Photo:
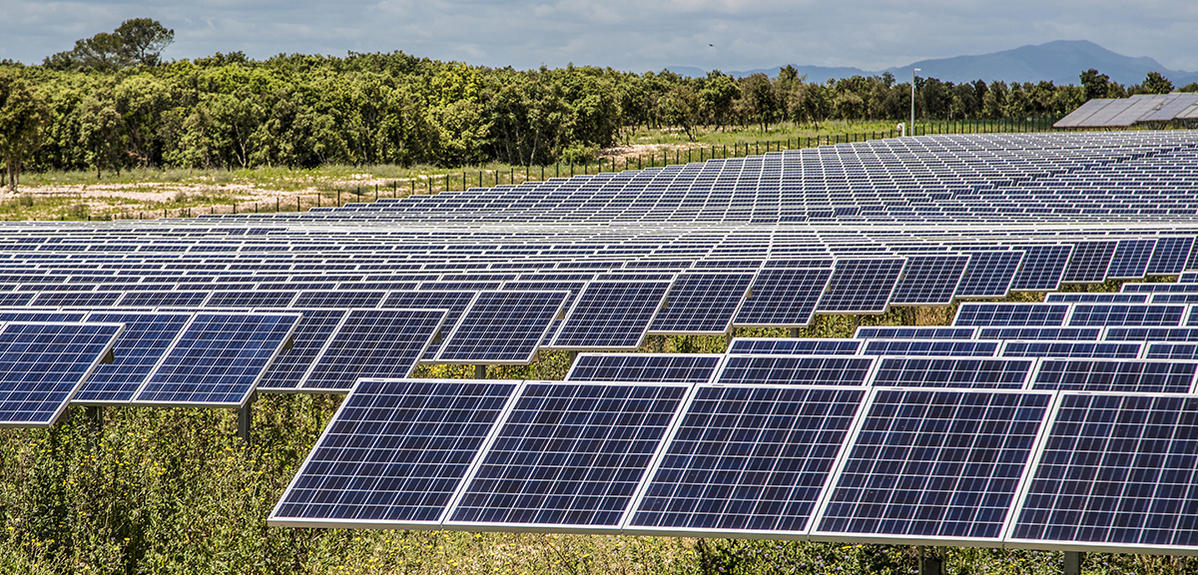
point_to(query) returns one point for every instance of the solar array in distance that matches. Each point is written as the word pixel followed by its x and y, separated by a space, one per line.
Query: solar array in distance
pixel 1116 472
pixel 860 285
pixel 644 367
pixel 502 327
pixel 747 459
pixel 611 315
pixel 953 372
pixel 218 359
pixel 702 303
pixel 934 464
pixel 794 370
pixel 381 343
pixel 602 438
pixel 146 338
pixel 783 297
pixel 43 364
pixel 394 453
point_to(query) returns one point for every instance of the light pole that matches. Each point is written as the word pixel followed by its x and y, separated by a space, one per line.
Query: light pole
pixel 913 72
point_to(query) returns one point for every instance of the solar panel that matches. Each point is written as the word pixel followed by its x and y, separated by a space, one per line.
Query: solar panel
pixel 1042 267
pixel 929 280
pixel 989 274
pixel 1049 333
pixel 41 316
pixel 1181 298
pixel 611 315
pixel 502 327
pixel 952 372
pixel 145 340
pixel 377 343
pixel 314 330
pixel 394 454
pixel 218 359
pixel 934 465
pixel 643 367
pixel 1170 255
pixel 1128 376
pixel 1131 259
pixel 793 346
pixel 1150 334
pixel 569 455
pixel 702 303
pixel 783 297
pixel 15 299
pixel 454 302
pixel 860 286
pixel 1172 351
pixel 1127 315
pixel 338 299
pixel 172 298
pixel 794 370
pixel 747 459
pixel 1101 297
pixel 1011 314
pixel 915 332
pixel 1089 262
pixel 1116 471
pixel 921 347
pixel 43 364
pixel 76 299
pixel 251 299
pixel 1083 349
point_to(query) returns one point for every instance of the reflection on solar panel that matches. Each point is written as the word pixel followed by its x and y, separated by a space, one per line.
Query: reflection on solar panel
pixel 502 327
pixel 218 359
pixel 1093 349
pixel 1172 351
pixel 611 315
pixel 748 459
pixel 1127 315
pixel 379 343
pixel 989 274
pixel 783 297
pixel 915 332
pixel 860 286
pixel 952 372
pixel 1151 334
pixel 921 347
pixel 311 334
pixel 702 303
pixel 173 298
pixel 1089 262
pixel 795 370
pixel 1042 267
pixel 793 346
pixel 251 299
pixel 602 438
pixel 669 368
pixel 42 364
pixel 1131 259
pixel 317 299
pixel 146 338
pixel 1088 297
pixel 1128 376
pixel 1050 333
pixel 454 302
pixel 942 464
pixel 929 280
pixel 1011 314
pixel 1118 471
pixel 394 454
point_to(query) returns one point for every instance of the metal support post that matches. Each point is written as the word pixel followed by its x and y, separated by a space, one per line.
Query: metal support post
pixel 930 563
pixel 480 372
pixel 245 418
pixel 1073 563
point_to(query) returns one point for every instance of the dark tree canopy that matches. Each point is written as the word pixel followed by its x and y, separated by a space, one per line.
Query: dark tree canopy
pixel 135 42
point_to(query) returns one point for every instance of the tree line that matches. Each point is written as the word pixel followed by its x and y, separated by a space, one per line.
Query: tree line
pixel 113 103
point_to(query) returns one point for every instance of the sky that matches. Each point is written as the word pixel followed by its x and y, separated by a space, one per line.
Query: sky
pixel 636 35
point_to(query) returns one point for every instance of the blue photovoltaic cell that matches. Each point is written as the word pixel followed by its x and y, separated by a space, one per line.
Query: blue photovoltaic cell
pixel 1172 351
pixel 948 347
pixel 702 303
pixel 173 298
pixel 989 274
pixel 76 299
pixel 1089 262
pixel 1188 277
pixel 146 338
pixel 795 370
pixel 644 367
pixel 942 464
pixel 395 453
pixel 1161 287
pixel 1011 314
pixel 1051 333
pixel 1127 315
pixel 1128 376
pixel 503 327
pixel 380 343
pixel 218 359
pixel 953 372
pixel 35 315
pixel 1181 298
pixel 783 297
pixel 314 330
pixel 929 280
pixel 1083 349
pixel 15 299
pixel 915 332
pixel 42 364
pixel 794 346
pixel 860 286
pixel 251 299
pixel 1042 267
pixel 1170 256
pixel 1151 334
pixel 569 454
pixel 454 302
pixel 1085 297
pixel 339 299
pixel 748 459
pixel 1131 259
pixel 611 315
pixel 1116 470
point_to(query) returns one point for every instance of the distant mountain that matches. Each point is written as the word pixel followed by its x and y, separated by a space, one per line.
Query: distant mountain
pixel 1060 62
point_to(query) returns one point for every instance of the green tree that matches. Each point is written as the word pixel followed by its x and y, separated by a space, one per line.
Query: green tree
pixel 681 107
pixel 761 101
pixel 1155 83
pixel 142 41
pixel 23 114
pixel 1096 85
pixel 99 126
pixel 718 93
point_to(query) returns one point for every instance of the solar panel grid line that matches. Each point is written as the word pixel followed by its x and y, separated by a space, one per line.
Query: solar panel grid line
pixel 324 331
pixel 121 397
pixel 989 274
pixel 1126 315
pixel 376 342
pixel 708 312
pixel 846 370
pixel 853 287
pixel 1034 461
pixel 1113 375
pixel 951 372
pixel 458 357
pixel 929 280
pixel 645 367
pixel 1072 349
pixel 793 346
pixel 784 308
pixel 916 332
pixel 918 347
pixel 588 325
pixel 162 357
